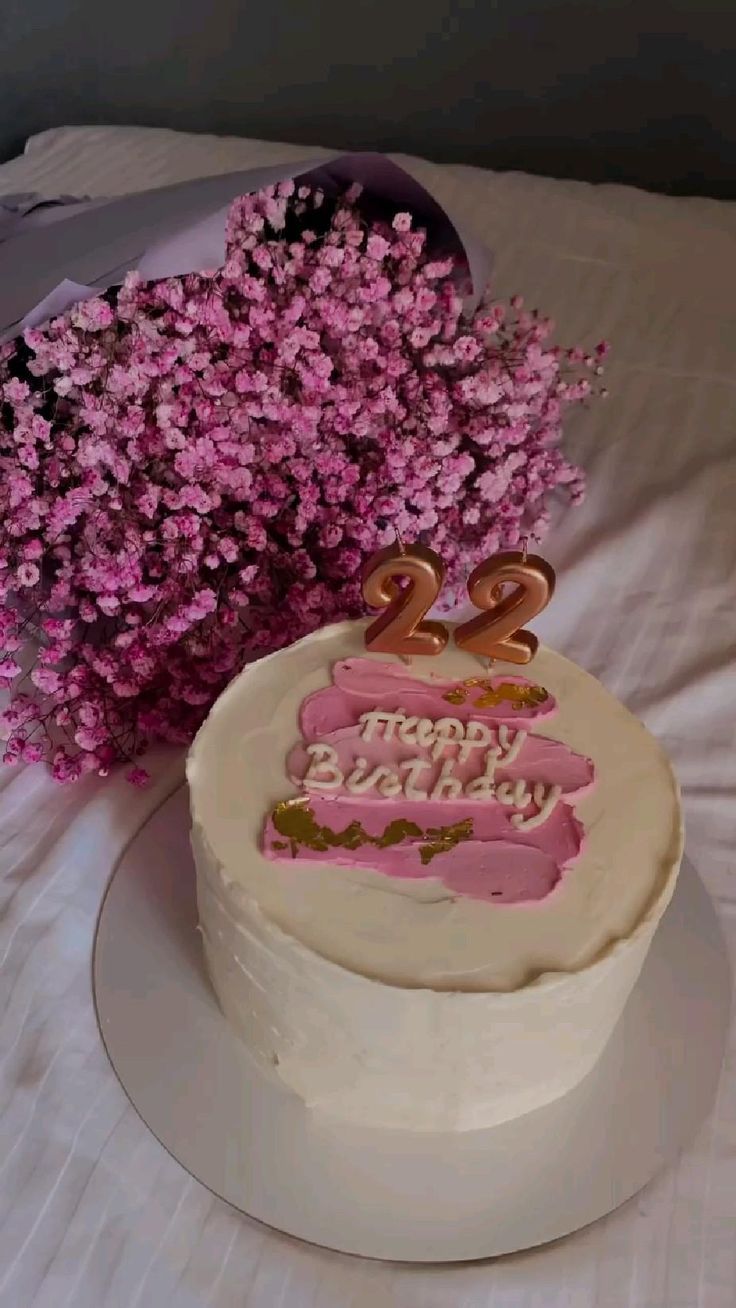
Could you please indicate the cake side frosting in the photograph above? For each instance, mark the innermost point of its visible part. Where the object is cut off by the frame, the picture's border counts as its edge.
(413, 1059)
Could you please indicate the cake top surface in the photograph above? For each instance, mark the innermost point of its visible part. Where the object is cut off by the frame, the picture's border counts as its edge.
(442, 824)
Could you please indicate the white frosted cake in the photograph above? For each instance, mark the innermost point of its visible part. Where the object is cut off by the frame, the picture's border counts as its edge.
(425, 892)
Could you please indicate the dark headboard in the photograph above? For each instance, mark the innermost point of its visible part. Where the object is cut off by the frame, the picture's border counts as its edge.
(614, 90)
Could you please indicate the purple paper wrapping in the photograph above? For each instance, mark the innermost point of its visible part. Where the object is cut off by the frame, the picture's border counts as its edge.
(179, 229)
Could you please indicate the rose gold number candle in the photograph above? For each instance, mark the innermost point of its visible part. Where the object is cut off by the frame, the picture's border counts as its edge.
(497, 632)
(404, 582)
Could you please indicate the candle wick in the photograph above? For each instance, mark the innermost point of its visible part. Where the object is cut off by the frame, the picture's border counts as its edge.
(399, 541)
(524, 544)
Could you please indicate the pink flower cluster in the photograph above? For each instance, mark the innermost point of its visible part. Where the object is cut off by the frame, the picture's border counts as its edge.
(192, 471)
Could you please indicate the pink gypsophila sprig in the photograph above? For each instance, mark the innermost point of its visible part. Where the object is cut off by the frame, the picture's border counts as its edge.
(194, 470)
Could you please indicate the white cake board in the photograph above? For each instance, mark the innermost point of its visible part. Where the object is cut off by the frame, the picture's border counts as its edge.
(397, 1194)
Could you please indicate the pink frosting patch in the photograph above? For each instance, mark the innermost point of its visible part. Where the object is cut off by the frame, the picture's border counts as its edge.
(360, 684)
(497, 862)
(490, 857)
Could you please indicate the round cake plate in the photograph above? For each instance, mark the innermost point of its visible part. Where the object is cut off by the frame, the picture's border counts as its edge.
(394, 1194)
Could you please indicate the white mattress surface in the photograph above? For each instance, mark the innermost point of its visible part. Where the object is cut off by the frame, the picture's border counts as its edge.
(93, 1213)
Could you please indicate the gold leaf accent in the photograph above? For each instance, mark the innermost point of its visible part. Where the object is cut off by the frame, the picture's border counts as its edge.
(395, 832)
(445, 838)
(300, 827)
(517, 696)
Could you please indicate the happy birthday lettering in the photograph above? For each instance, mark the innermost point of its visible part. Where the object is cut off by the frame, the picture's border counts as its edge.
(498, 745)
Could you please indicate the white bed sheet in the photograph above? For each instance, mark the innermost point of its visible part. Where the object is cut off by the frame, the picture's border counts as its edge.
(93, 1213)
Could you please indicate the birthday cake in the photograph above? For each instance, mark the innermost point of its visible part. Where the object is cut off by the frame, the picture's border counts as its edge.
(425, 892)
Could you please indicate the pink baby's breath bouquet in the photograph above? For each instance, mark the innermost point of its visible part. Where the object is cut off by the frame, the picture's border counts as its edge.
(193, 470)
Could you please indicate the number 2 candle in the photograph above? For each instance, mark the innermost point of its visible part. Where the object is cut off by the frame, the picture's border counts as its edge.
(404, 582)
